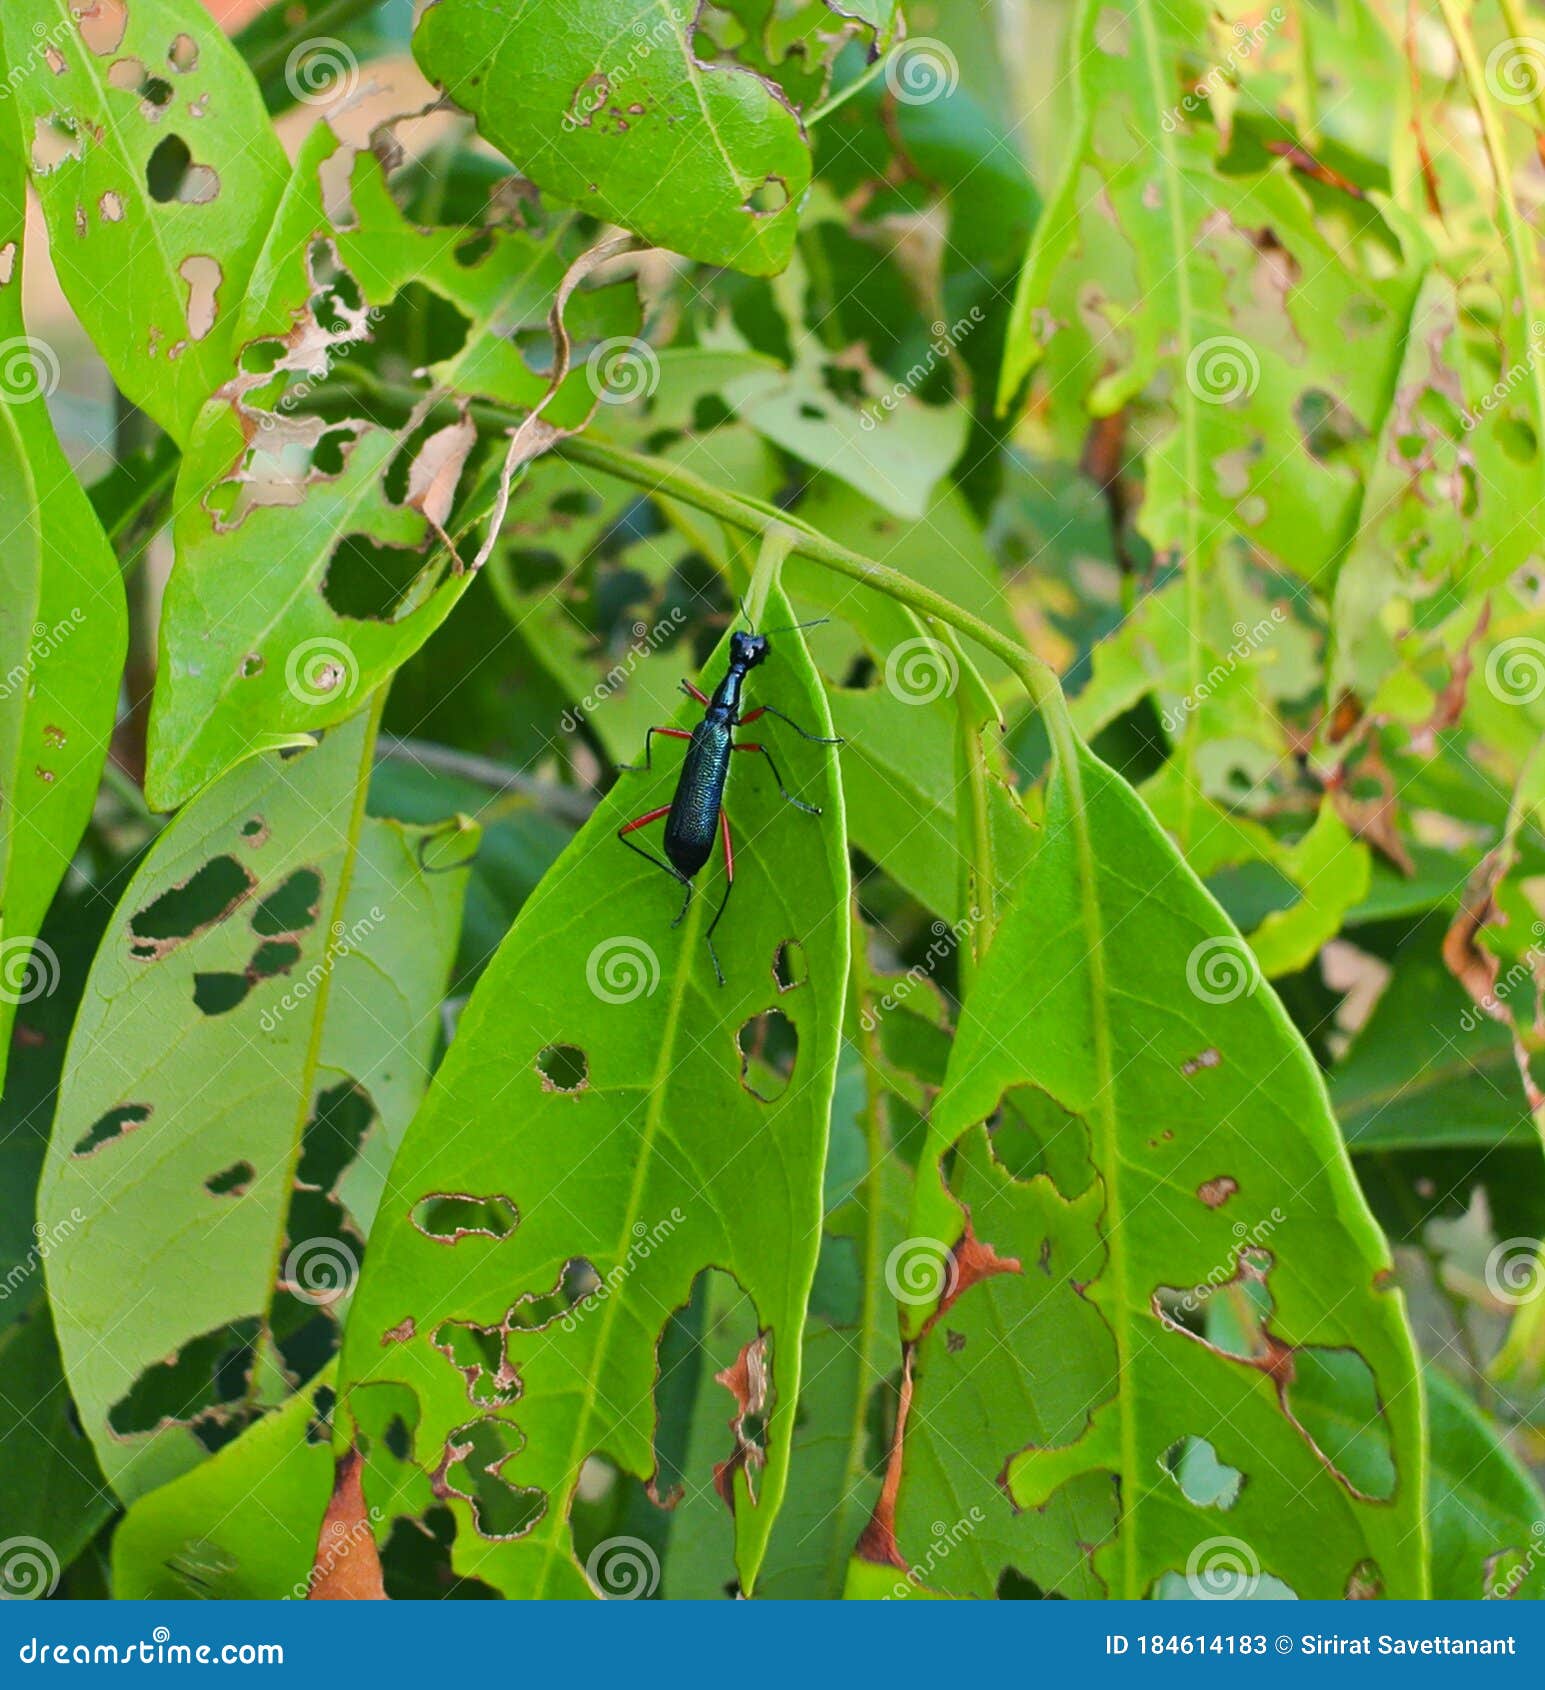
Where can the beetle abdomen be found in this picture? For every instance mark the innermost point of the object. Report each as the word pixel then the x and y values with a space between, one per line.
pixel 694 816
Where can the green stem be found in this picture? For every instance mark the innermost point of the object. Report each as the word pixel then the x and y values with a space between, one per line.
pixel 668 480
pixel 857 85
pixel 665 480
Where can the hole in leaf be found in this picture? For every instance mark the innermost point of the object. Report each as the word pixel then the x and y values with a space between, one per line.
pixel 479 1355
pixel 205 1381
pixel 1203 1479
pixel 203 899
pixel 102 25
pixel 447 1217
pixel 474 1454
pixel 768 199
pixel 369 582
pixel 273 956
pixel 563 1068
pixel 203 276
pixel 232 1181
pixel 416 1562
pixel 1333 1399
pixel 114 1124
pixel 1031 1133
pixel 182 56
pixel 768 1044
pixel 1329 1396
pixel 1365 1583
pixel 54 141
pixel 171 175
pixel 789 966
pixel 218 994
pixel 329 1145
pixel 291 907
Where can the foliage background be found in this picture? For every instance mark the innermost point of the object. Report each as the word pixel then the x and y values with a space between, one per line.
pixel 1114 1165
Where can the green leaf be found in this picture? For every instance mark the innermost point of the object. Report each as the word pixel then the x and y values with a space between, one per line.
pixel 244 1525
pixel 256 1030
pixel 306 570
pixel 606 105
pixel 50 1485
pixel 62 639
pixel 591 1145
pixel 1429 1069
pixel 884 441
pixel 1256 368
pixel 1488 1517
pixel 1124 1229
pixel 158 173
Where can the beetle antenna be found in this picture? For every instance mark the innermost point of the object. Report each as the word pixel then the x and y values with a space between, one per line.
pixel 794 627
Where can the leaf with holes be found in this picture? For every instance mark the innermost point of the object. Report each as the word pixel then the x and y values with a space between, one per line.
pixel 244 1524
pixel 62 636
pixel 611 105
pixel 256 1030
pixel 1152 1277
pixel 1222 308
pixel 158 172
pixel 609 1123
pixel 308 567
